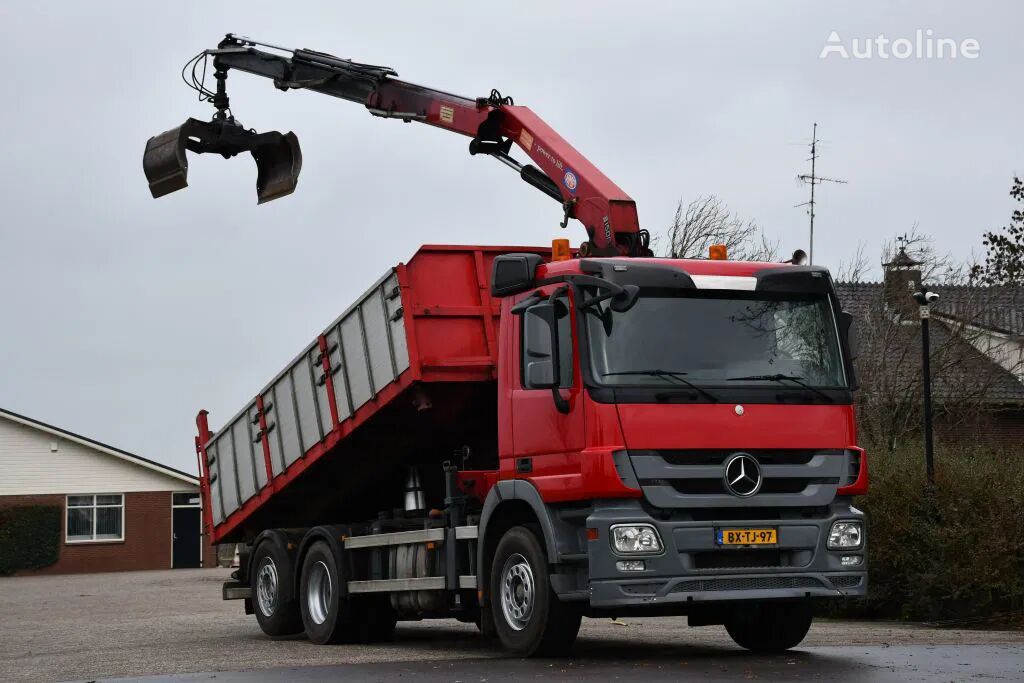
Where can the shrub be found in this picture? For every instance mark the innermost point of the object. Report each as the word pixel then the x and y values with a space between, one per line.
pixel 951 551
pixel 29 537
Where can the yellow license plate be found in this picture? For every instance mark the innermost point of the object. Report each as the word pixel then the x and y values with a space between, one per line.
pixel 748 536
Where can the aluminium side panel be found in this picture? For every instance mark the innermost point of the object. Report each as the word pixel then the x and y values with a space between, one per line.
pixel 213 467
pixel 252 423
pixel 367 350
pixel 396 323
pixel 228 477
pixel 305 401
pixel 244 466
pixel 286 419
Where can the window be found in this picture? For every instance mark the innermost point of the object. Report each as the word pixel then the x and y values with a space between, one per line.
pixel 716 339
pixel 185 500
pixel 536 343
pixel 95 518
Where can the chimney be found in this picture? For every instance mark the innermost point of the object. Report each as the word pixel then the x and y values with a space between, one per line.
pixel 902 278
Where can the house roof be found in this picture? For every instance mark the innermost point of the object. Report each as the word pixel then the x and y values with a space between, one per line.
pixel 996 308
pixel 986 307
pixel 100 446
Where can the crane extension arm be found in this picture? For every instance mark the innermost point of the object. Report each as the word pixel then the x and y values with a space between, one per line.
pixel 492 123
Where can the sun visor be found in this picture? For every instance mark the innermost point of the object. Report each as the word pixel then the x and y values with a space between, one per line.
pixel 794 279
pixel 631 272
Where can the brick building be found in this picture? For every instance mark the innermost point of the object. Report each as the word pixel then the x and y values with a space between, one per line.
pixel 119 511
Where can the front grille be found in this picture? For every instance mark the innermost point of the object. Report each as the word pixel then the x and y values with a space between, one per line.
pixel 719 456
pixel 717 486
pixel 746 584
pixel 696 478
pixel 739 559
pixel 794 484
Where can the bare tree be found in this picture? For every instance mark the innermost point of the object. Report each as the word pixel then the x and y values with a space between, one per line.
pixel 855 269
pixel 706 221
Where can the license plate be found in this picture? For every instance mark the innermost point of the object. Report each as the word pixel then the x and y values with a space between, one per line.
pixel 747 537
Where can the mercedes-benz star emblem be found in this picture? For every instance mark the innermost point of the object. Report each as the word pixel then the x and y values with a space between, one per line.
pixel 742 475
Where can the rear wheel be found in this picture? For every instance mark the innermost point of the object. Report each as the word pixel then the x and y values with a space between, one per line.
pixel 271 575
pixel 770 627
pixel 528 617
pixel 326 617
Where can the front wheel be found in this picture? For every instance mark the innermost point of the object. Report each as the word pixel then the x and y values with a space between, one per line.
pixel 528 617
pixel 770 627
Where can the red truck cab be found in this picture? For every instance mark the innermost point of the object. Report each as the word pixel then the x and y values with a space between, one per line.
pixel 701 418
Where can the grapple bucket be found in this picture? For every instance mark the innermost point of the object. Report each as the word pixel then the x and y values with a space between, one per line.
pixel 277 155
pixel 278 164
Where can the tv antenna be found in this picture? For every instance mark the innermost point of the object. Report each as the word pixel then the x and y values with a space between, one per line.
pixel 813 179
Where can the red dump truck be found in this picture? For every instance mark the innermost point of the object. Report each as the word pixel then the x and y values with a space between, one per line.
pixel 489 436
pixel 521 437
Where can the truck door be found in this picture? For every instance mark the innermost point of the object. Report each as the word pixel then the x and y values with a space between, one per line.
pixel 546 443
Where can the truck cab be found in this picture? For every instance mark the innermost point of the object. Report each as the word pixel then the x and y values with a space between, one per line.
pixel 684 432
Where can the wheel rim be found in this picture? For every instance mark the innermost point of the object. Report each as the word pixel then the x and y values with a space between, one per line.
pixel 318 592
pixel 517 592
pixel 266 587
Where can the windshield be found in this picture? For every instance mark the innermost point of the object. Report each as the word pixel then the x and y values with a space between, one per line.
pixel 716 337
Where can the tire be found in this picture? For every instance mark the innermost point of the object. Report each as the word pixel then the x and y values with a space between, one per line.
pixel 272 574
pixel 485 623
pixel 326 617
pixel 769 628
pixel 528 617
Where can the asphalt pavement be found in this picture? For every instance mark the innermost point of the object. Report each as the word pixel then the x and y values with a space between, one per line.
pixel 173 626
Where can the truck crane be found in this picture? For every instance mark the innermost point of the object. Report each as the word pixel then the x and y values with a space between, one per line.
pixel 493 123
pixel 521 437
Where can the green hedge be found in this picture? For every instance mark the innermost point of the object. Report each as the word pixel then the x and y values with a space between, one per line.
pixel 29 537
pixel 951 552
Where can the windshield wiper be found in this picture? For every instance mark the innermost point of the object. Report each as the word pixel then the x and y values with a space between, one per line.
pixel 670 374
pixel 799 381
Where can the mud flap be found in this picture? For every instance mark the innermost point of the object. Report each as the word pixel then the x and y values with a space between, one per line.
pixel 278 156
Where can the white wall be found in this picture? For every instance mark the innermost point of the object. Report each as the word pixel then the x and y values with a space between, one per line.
pixel 1006 350
pixel 29 466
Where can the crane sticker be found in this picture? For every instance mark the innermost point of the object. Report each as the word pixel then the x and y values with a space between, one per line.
pixel 525 139
pixel 569 180
pixel 447 114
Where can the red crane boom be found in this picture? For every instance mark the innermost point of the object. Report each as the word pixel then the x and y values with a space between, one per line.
pixel 493 124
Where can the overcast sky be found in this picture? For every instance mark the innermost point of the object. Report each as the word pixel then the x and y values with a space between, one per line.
pixel 121 316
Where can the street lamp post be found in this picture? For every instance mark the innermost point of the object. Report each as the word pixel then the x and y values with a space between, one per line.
pixel 925 299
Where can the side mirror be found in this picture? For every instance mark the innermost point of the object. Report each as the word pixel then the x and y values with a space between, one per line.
pixel 541 374
pixel 540 337
pixel 539 332
pixel 513 273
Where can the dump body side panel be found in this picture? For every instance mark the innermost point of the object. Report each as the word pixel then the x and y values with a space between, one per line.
pixel 431 320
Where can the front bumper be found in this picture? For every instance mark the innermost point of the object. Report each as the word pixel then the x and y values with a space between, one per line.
pixel 693 568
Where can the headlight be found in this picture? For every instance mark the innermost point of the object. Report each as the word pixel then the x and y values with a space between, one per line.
pixel 635 538
pixel 845 535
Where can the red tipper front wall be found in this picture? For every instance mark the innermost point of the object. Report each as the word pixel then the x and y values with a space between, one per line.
pixel 451 328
